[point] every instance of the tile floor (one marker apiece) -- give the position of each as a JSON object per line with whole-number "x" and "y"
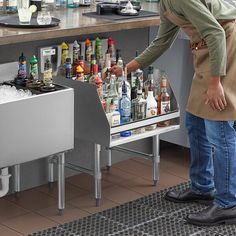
{"x": 127, "y": 180}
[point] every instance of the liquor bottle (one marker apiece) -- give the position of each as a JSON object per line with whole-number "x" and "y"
{"x": 125, "y": 105}
{"x": 138, "y": 82}
{"x": 124, "y": 79}
{"x": 113, "y": 115}
{"x": 76, "y": 51}
{"x": 163, "y": 102}
{"x": 21, "y": 77}
{"x": 64, "y": 54}
{"x": 47, "y": 75}
{"x": 149, "y": 83}
{"x": 88, "y": 50}
{"x": 88, "y": 53}
{"x": 69, "y": 71}
{"x": 11, "y": 6}
{"x": 72, "y": 3}
{"x": 92, "y": 79}
{"x": 133, "y": 75}
{"x": 112, "y": 93}
{"x": 111, "y": 49}
{"x": 125, "y": 109}
{"x": 98, "y": 83}
{"x": 99, "y": 53}
{"x": 34, "y": 74}
{"x": 106, "y": 81}
{"x": 151, "y": 108}
{"x": 107, "y": 64}
{"x": 119, "y": 60}
{"x": 80, "y": 73}
{"x": 139, "y": 106}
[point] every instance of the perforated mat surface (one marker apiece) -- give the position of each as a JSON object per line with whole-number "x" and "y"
{"x": 148, "y": 216}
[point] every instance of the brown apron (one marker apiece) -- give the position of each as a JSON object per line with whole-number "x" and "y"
{"x": 196, "y": 102}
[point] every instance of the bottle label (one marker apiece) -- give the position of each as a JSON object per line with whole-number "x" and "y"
{"x": 165, "y": 107}
{"x": 151, "y": 111}
{"x": 125, "y": 111}
{"x": 115, "y": 119}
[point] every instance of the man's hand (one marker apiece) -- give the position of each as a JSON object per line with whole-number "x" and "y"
{"x": 215, "y": 94}
{"x": 117, "y": 70}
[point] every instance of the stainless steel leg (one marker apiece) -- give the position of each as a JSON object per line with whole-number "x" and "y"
{"x": 156, "y": 158}
{"x": 17, "y": 180}
{"x": 97, "y": 174}
{"x": 61, "y": 182}
{"x": 50, "y": 172}
{"x": 108, "y": 159}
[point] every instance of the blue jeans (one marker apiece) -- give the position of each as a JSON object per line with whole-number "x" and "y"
{"x": 213, "y": 158}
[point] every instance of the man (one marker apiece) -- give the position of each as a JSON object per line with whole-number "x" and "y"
{"x": 211, "y": 108}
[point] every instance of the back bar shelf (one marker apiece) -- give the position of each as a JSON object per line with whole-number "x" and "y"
{"x": 91, "y": 125}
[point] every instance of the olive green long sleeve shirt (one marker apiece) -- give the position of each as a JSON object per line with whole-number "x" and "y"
{"x": 204, "y": 16}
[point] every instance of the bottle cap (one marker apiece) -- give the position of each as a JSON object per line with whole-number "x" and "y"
{"x": 33, "y": 60}
{"x": 64, "y": 46}
{"x": 87, "y": 42}
{"x": 150, "y": 70}
{"x": 164, "y": 82}
{"x": 68, "y": 60}
{"x": 22, "y": 57}
{"x": 79, "y": 69}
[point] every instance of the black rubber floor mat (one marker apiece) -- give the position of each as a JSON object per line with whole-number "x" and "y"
{"x": 151, "y": 215}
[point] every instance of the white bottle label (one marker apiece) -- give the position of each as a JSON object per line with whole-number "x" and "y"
{"x": 165, "y": 107}
{"x": 115, "y": 119}
{"x": 151, "y": 111}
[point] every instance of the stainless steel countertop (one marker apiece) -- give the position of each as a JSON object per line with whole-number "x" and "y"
{"x": 73, "y": 23}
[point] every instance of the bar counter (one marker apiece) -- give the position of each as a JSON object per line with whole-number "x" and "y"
{"x": 74, "y": 23}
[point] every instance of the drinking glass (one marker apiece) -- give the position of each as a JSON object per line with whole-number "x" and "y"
{"x": 24, "y": 12}
{"x": 44, "y": 18}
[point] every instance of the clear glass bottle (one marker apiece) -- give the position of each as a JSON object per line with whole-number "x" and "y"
{"x": 151, "y": 108}
{"x": 107, "y": 64}
{"x": 139, "y": 106}
{"x": 69, "y": 71}
{"x": 111, "y": 49}
{"x": 112, "y": 93}
{"x": 125, "y": 105}
{"x": 92, "y": 79}
{"x": 124, "y": 79}
{"x": 163, "y": 102}
{"x": 113, "y": 115}
{"x": 125, "y": 110}
{"x": 47, "y": 74}
{"x": 149, "y": 83}
{"x": 76, "y": 51}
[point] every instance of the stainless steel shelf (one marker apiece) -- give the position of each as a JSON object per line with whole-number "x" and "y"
{"x": 91, "y": 125}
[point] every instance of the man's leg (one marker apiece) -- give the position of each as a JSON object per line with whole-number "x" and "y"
{"x": 201, "y": 170}
{"x": 223, "y": 137}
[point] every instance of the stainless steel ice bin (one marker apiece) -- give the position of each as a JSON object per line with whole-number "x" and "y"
{"x": 36, "y": 127}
